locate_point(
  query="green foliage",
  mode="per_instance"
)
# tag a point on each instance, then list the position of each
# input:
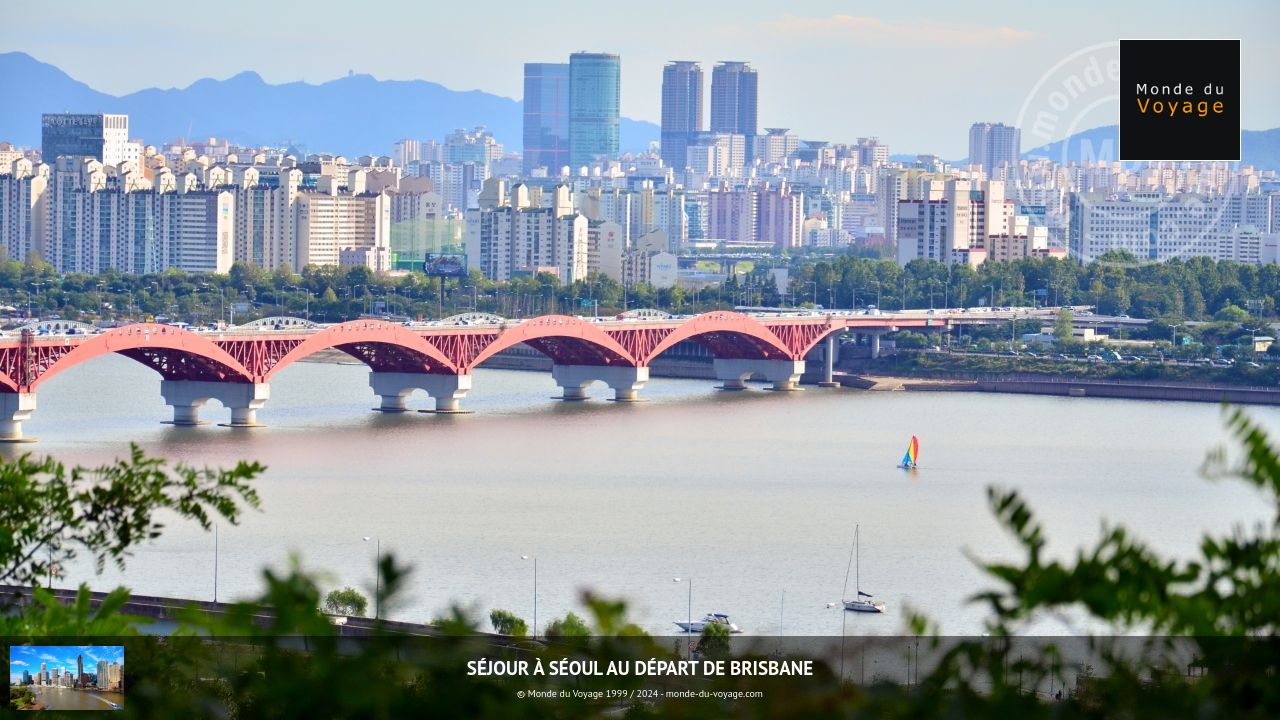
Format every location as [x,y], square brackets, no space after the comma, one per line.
[958,365]
[1063,326]
[570,626]
[21,698]
[50,515]
[347,601]
[714,641]
[506,622]
[1232,314]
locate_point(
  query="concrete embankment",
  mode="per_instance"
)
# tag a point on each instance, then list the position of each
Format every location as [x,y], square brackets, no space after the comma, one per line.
[865,378]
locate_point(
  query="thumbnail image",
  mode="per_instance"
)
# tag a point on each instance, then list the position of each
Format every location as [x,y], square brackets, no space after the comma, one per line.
[66,677]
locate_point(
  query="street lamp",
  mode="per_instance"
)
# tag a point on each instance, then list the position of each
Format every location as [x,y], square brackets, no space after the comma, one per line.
[377,588]
[535,592]
[215,562]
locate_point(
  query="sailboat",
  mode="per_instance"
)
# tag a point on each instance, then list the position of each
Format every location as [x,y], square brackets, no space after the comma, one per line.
[858,603]
[913,452]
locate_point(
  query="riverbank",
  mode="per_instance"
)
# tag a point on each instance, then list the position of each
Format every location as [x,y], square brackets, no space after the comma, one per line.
[889,375]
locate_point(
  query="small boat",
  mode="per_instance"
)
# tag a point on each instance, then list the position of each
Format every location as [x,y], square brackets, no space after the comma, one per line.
[913,452]
[708,619]
[858,603]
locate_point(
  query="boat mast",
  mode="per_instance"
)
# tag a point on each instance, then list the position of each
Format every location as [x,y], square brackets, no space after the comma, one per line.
[857,578]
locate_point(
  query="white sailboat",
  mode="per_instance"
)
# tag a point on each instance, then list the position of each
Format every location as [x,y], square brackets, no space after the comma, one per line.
[861,601]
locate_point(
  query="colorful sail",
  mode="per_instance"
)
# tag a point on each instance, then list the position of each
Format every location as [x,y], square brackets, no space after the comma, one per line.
[913,452]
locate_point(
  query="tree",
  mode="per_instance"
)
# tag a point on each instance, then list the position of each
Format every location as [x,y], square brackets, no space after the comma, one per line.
[571,626]
[1232,313]
[714,641]
[1063,325]
[347,601]
[506,622]
[49,514]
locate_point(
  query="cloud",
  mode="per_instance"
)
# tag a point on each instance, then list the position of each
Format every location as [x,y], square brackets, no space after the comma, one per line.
[49,658]
[870,30]
[17,662]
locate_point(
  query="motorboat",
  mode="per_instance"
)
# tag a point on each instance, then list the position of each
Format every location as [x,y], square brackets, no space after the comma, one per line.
[709,619]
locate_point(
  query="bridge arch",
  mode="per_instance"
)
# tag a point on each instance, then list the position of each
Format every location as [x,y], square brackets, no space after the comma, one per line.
[175,353]
[382,345]
[728,335]
[279,322]
[566,340]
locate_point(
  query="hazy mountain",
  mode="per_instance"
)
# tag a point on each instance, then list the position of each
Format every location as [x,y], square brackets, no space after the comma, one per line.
[1259,148]
[353,115]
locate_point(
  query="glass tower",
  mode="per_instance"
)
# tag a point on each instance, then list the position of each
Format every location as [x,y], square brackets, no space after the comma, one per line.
[546,116]
[734,101]
[595,81]
[681,110]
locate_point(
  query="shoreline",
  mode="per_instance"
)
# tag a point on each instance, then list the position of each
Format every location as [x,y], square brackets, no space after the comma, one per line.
[1019,384]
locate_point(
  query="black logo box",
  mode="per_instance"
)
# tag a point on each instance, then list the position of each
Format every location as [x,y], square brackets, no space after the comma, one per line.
[1185,65]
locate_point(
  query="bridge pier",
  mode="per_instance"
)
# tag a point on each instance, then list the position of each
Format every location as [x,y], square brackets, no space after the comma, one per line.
[188,396]
[734,372]
[829,362]
[14,409]
[394,388]
[875,345]
[626,381]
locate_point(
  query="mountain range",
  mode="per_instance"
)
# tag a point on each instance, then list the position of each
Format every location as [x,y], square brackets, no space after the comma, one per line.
[344,115]
[1259,148]
[353,115]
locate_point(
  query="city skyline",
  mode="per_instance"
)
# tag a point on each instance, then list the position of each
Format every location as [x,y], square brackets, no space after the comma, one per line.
[64,657]
[816,61]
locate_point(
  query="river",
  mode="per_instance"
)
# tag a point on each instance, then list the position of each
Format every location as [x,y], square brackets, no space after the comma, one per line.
[60,698]
[754,496]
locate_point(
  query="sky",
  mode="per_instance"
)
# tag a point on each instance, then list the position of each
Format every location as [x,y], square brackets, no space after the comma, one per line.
[915,74]
[29,657]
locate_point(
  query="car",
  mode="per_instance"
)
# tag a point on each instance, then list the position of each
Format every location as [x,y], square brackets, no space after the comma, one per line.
[1031,354]
[1253,364]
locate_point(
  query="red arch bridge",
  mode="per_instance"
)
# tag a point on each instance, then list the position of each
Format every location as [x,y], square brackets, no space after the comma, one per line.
[235,365]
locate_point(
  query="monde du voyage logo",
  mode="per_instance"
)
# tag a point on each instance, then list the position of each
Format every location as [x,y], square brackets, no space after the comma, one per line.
[1180,99]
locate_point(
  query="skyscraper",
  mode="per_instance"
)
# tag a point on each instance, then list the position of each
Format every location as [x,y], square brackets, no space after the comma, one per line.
[79,670]
[546,116]
[102,137]
[595,82]
[734,87]
[994,144]
[681,110]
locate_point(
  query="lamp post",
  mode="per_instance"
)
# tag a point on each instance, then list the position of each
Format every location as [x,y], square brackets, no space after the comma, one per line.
[377,588]
[535,592]
[215,562]
[689,626]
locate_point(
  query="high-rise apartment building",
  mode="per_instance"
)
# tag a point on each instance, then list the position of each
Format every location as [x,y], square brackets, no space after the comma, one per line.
[329,222]
[22,210]
[734,102]
[1159,226]
[546,117]
[104,138]
[595,82]
[681,110]
[994,145]
[507,234]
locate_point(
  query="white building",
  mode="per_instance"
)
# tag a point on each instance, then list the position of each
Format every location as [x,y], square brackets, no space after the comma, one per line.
[509,234]
[22,208]
[1159,227]
[328,222]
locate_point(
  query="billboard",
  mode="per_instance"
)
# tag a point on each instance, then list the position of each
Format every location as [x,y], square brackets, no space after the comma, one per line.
[445,265]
